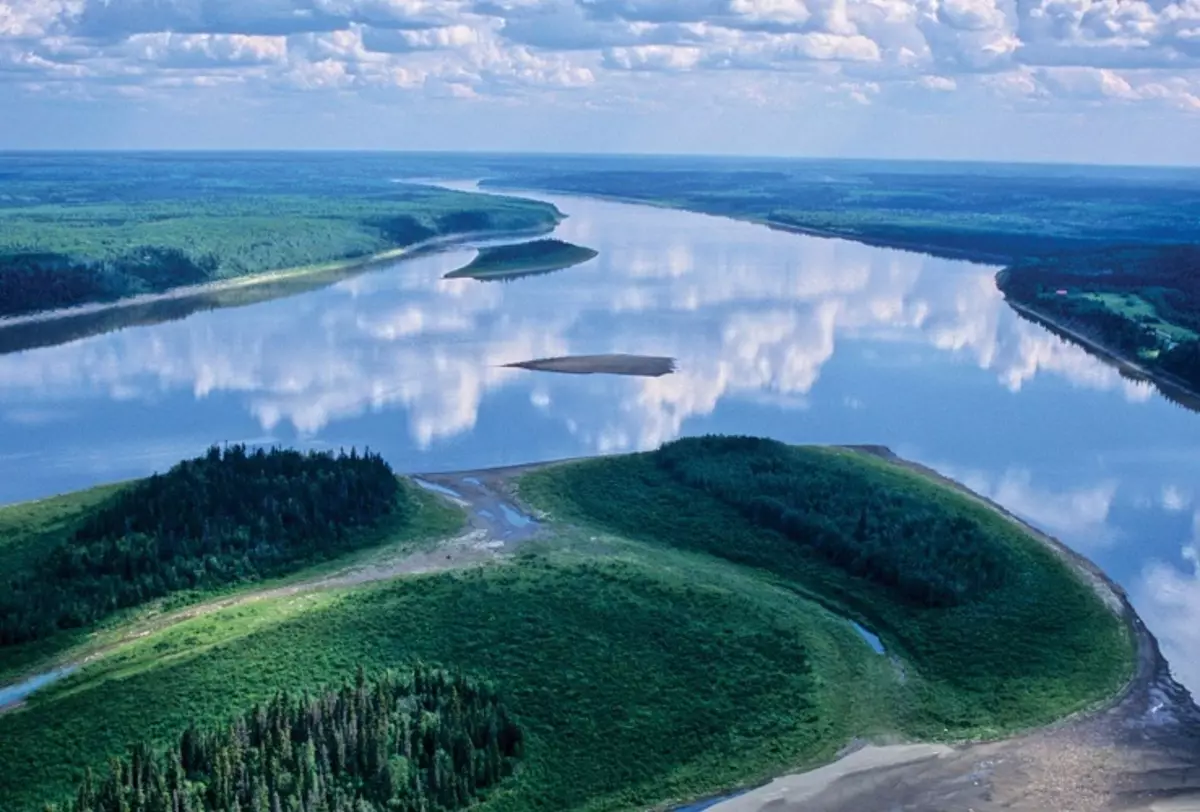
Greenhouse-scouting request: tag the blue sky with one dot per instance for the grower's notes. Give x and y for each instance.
(1109, 81)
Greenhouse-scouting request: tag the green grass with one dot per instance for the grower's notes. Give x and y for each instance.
(29, 530)
(1038, 648)
(523, 259)
(639, 676)
(654, 646)
(1135, 308)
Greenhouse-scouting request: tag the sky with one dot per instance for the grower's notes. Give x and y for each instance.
(1093, 81)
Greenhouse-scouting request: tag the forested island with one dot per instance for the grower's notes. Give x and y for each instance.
(507, 262)
(56, 255)
(229, 516)
(676, 601)
(420, 740)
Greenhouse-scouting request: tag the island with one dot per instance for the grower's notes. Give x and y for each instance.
(507, 262)
(646, 366)
(1107, 258)
(65, 254)
(621, 632)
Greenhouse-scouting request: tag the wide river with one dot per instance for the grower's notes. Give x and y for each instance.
(802, 339)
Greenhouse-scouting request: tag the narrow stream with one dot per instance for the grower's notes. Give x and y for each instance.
(18, 693)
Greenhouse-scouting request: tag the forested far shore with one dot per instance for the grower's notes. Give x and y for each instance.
(421, 740)
(1141, 303)
(228, 516)
(57, 256)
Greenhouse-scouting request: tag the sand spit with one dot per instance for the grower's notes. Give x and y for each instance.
(648, 366)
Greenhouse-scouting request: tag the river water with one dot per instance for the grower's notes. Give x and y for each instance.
(798, 338)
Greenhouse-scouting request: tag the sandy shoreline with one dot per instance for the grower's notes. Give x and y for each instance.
(268, 277)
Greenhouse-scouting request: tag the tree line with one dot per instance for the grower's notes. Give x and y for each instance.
(230, 515)
(930, 553)
(422, 740)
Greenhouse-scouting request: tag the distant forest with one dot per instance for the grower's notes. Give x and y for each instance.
(230, 515)
(413, 741)
(54, 256)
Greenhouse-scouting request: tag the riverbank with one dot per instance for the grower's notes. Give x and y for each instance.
(268, 277)
(55, 327)
(1169, 385)
(1143, 742)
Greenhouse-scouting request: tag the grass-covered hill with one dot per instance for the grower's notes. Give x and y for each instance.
(999, 633)
(57, 255)
(679, 626)
(503, 262)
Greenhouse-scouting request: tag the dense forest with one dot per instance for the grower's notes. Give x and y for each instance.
(1142, 302)
(930, 556)
(230, 515)
(58, 255)
(420, 741)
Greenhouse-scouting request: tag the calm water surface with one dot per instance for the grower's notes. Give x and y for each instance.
(805, 340)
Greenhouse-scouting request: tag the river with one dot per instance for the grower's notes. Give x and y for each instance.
(802, 339)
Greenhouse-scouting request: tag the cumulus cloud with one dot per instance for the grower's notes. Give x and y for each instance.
(1024, 51)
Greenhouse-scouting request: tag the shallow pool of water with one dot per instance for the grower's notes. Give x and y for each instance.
(21, 691)
(872, 640)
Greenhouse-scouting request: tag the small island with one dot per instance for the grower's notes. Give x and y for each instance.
(506, 262)
(666, 626)
(646, 366)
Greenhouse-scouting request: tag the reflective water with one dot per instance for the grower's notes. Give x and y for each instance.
(14, 694)
(802, 339)
(872, 639)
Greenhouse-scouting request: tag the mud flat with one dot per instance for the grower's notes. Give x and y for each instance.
(647, 366)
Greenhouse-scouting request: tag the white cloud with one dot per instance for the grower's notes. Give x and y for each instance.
(653, 57)
(1175, 499)
(1072, 52)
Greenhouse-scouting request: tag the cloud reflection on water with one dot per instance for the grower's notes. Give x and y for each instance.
(754, 317)
(766, 313)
